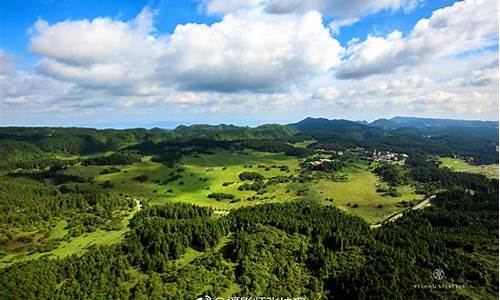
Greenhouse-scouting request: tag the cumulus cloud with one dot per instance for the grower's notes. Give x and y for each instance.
(335, 25)
(250, 51)
(100, 53)
(326, 93)
(479, 78)
(330, 8)
(256, 59)
(6, 63)
(464, 26)
(228, 6)
(244, 51)
(440, 102)
(475, 94)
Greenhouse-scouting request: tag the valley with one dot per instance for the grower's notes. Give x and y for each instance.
(196, 203)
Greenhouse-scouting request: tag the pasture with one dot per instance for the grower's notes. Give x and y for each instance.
(197, 176)
(459, 165)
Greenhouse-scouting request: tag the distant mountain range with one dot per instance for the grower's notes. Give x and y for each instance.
(401, 122)
(343, 128)
(401, 134)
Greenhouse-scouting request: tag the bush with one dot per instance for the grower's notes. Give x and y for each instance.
(107, 184)
(118, 158)
(393, 192)
(110, 171)
(250, 187)
(250, 176)
(142, 178)
(220, 196)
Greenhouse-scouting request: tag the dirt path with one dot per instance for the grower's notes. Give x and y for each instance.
(421, 205)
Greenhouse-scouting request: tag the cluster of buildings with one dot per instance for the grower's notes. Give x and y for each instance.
(384, 156)
(368, 155)
(320, 161)
(327, 151)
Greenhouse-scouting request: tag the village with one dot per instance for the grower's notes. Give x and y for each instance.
(383, 157)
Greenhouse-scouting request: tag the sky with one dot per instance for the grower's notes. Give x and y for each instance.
(135, 63)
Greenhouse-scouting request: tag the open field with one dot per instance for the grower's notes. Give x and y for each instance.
(206, 174)
(304, 144)
(75, 245)
(195, 177)
(456, 164)
(201, 175)
(360, 190)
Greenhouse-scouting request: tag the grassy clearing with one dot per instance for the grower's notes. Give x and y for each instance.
(304, 144)
(360, 189)
(456, 164)
(206, 173)
(76, 245)
(59, 231)
(79, 244)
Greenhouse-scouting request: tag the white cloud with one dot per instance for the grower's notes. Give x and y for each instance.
(228, 6)
(464, 26)
(479, 78)
(99, 53)
(472, 95)
(326, 93)
(250, 51)
(244, 51)
(442, 102)
(97, 41)
(6, 63)
(251, 62)
(330, 8)
(335, 25)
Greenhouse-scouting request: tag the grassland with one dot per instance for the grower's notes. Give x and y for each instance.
(459, 165)
(197, 176)
(204, 174)
(359, 194)
(69, 246)
(304, 144)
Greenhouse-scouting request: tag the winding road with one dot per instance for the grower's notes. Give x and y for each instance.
(422, 204)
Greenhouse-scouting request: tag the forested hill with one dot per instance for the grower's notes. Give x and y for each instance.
(401, 122)
(340, 128)
(475, 139)
(232, 132)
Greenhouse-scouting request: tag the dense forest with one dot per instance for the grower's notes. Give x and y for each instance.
(303, 248)
(477, 141)
(298, 248)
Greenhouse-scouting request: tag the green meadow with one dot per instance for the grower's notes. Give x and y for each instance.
(459, 165)
(197, 176)
(203, 174)
(69, 246)
(359, 196)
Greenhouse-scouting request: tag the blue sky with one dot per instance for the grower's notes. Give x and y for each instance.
(120, 63)
(17, 16)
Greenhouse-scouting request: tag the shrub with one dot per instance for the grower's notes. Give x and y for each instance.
(250, 176)
(142, 178)
(220, 196)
